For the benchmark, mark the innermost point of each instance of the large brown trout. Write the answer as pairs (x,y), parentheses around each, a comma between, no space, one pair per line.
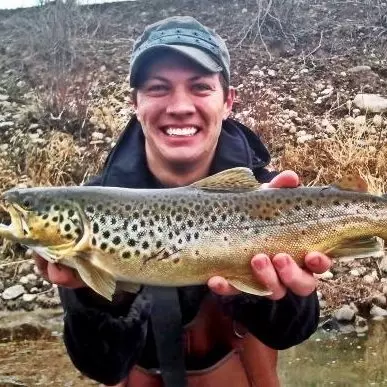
(183,236)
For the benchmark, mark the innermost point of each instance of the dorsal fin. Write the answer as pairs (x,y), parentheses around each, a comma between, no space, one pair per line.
(352,182)
(234,179)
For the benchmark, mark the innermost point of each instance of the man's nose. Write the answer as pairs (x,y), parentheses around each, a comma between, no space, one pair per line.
(180,103)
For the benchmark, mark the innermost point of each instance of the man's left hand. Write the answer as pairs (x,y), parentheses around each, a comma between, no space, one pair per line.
(281,272)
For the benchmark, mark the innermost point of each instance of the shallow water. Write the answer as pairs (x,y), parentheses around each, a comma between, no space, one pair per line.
(337,359)
(326,359)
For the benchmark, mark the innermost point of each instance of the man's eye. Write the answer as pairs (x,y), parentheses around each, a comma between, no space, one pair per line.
(201,87)
(157,88)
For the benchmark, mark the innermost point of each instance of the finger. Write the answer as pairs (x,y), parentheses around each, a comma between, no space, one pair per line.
(219,285)
(298,280)
(63,276)
(317,262)
(286,179)
(266,275)
(41,265)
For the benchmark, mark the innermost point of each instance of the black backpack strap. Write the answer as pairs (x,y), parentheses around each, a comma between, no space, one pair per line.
(168,333)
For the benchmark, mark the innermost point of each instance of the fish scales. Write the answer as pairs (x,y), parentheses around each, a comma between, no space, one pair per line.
(183,236)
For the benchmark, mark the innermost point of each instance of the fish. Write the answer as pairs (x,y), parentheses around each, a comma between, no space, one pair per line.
(124,238)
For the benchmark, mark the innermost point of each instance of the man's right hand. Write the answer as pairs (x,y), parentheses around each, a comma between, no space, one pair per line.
(58,274)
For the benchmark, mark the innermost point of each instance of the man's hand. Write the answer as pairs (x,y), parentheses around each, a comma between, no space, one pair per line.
(281,272)
(58,274)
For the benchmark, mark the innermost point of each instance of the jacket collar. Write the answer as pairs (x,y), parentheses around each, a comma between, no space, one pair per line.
(126,165)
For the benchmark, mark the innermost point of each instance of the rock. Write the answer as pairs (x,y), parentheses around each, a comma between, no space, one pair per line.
(380,300)
(360,121)
(327,275)
(377,311)
(355,273)
(271,73)
(330,325)
(373,103)
(4,97)
(328,91)
(97,136)
(7,125)
(345,314)
(304,139)
(361,325)
(377,120)
(368,279)
(359,69)
(13,292)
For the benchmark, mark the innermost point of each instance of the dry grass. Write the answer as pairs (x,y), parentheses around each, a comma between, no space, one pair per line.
(349,151)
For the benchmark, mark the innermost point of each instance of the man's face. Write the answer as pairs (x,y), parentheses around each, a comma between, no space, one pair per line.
(181,109)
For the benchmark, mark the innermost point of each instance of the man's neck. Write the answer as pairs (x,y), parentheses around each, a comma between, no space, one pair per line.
(178,176)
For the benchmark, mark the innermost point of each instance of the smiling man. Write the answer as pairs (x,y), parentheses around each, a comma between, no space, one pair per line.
(180,74)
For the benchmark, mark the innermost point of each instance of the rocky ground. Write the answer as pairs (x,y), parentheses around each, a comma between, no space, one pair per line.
(305,71)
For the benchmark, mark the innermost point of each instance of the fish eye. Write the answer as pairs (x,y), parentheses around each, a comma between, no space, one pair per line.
(26,203)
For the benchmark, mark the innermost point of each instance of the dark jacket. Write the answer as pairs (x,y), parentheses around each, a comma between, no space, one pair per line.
(104,340)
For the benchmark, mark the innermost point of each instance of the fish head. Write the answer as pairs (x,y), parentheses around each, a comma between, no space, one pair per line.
(40,217)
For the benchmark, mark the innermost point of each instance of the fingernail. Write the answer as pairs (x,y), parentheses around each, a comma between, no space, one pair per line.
(315,261)
(259,263)
(281,262)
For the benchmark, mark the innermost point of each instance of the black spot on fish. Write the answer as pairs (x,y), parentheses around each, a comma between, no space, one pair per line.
(126,254)
(142,223)
(157,217)
(99,207)
(77,231)
(137,253)
(45,216)
(336,202)
(190,223)
(128,207)
(116,240)
(71,213)
(102,219)
(56,207)
(103,246)
(55,219)
(188,237)
(206,202)
(201,221)
(176,260)
(94,241)
(113,221)
(173,212)
(108,212)
(303,232)
(267,218)
(69,236)
(225,239)
(151,233)
(145,212)
(196,235)
(159,229)
(206,214)
(197,252)
(112,251)
(136,215)
(242,218)
(151,223)
(213,218)
(106,234)
(297,208)
(131,242)
(145,245)
(346,205)
(179,218)
(180,241)
(158,244)
(162,207)
(309,202)
(170,235)
(46,224)
(95,228)
(125,225)
(197,207)
(134,227)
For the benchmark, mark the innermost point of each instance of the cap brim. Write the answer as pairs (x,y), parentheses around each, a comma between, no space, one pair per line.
(198,56)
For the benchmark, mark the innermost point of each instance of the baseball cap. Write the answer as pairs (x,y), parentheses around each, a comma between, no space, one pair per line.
(185,35)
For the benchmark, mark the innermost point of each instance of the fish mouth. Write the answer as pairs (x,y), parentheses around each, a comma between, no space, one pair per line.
(15,226)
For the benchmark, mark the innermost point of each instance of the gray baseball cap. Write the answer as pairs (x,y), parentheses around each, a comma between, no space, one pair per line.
(185,35)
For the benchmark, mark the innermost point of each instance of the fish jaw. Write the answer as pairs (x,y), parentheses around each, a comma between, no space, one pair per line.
(18,228)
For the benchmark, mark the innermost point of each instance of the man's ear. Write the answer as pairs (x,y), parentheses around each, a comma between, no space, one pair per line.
(229,102)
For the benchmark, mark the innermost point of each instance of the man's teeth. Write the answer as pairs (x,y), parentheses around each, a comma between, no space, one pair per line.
(181,131)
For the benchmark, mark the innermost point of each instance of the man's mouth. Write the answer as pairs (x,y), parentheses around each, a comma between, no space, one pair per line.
(176,132)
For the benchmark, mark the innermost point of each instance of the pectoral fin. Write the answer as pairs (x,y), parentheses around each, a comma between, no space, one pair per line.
(358,248)
(249,284)
(98,279)
(128,286)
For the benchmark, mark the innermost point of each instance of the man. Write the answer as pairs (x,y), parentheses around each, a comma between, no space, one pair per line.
(181,133)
